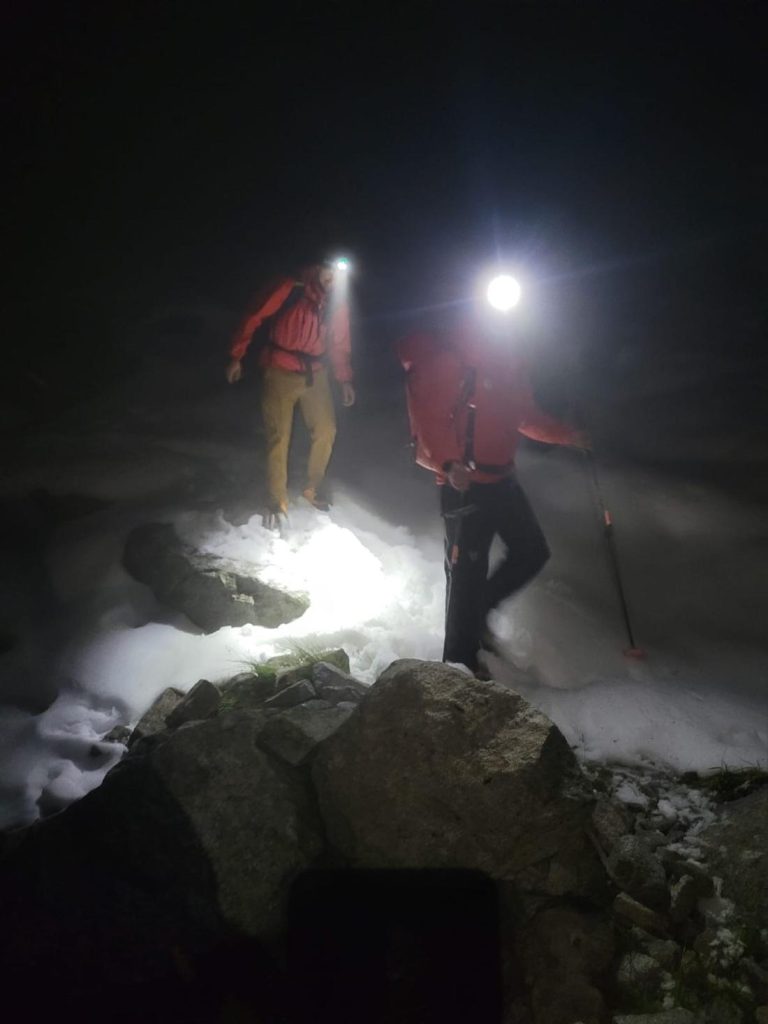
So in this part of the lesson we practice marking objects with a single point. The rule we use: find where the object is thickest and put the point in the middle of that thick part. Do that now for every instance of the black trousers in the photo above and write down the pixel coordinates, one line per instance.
(472, 519)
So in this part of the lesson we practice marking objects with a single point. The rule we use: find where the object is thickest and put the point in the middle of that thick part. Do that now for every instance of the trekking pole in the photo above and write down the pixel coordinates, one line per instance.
(459, 515)
(633, 651)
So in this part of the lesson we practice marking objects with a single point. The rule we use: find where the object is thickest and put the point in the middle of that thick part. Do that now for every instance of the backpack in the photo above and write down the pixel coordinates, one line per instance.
(260, 338)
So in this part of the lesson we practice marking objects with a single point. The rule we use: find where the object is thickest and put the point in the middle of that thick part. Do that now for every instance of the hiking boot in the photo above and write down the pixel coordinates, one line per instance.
(310, 495)
(275, 517)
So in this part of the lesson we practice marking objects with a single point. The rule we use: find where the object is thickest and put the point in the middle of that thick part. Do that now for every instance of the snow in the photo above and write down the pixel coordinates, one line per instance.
(666, 810)
(628, 793)
(103, 649)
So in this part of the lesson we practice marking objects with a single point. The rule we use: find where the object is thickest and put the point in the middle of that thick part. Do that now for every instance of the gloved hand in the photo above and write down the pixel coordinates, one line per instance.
(459, 476)
(234, 371)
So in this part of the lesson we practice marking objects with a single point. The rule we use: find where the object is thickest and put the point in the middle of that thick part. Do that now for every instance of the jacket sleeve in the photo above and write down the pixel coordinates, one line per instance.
(537, 424)
(339, 347)
(266, 305)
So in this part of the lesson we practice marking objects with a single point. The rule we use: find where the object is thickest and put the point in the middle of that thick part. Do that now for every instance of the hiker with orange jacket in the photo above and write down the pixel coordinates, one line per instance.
(469, 399)
(306, 327)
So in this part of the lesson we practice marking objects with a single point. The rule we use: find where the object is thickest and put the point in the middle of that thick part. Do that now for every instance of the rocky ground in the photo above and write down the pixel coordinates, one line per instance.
(617, 895)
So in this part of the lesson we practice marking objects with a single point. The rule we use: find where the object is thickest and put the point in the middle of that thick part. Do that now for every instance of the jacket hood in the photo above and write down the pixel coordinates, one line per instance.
(310, 274)
(310, 278)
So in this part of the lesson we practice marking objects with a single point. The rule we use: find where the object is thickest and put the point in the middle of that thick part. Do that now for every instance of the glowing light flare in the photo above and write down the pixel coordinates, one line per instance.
(380, 599)
(342, 264)
(503, 293)
(345, 582)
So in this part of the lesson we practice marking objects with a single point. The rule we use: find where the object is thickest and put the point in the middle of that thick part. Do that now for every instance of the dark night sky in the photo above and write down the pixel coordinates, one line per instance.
(161, 155)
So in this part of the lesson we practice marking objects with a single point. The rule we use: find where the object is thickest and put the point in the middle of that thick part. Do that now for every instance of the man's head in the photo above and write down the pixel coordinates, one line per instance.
(325, 276)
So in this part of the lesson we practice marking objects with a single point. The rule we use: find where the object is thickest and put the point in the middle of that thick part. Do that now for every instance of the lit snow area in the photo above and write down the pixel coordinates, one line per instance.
(691, 561)
(374, 591)
(693, 569)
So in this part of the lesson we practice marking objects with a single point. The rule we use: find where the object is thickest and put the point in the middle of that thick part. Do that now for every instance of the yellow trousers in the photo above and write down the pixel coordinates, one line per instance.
(281, 390)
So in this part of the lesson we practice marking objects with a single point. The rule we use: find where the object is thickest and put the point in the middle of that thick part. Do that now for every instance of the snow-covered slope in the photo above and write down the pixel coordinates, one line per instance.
(93, 645)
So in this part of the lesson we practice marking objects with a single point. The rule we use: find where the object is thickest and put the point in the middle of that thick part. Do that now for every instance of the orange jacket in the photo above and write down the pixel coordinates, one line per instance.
(447, 378)
(312, 326)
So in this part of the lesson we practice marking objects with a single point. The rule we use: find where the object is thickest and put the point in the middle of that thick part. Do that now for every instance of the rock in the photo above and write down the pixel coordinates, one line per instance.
(208, 590)
(255, 823)
(517, 1011)
(687, 932)
(252, 823)
(610, 821)
(638, 977)
(246, 691)
(295, 734)
(689, 962)
(288, 676)
(684, 896)
(576, 869)
(336, 657)
(652, 838)
(439, 770)
(756, 973)
(702, 945)
(737, 852)
(308, 669)
(639, 872)
(335, 685)
(677, 867)
(645, 918)
(184, 848)
(577, 943)
(570, 1000)
(249, 690)
(632, 793)
(723, 1011)
(119, 734)
(716, 912)
(201, 702)
(341, 694)
(662, 823)
(665, 952)
(676, 1016)
(292, 695)
(561, 878)
(153, 720)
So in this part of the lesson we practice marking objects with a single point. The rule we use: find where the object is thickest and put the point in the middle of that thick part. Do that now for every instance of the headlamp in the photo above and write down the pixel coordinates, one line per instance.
(503, 293)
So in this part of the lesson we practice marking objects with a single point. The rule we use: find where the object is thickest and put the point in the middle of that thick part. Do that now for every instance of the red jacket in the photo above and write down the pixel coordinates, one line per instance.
(438, 386)
(307, 327)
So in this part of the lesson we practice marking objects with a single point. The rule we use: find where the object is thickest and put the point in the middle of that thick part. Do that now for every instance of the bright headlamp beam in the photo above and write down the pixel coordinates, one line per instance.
(342, 263)
(503, 293)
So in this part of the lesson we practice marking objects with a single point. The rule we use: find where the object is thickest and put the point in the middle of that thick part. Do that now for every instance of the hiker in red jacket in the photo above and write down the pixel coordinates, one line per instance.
(469, 398)
(305, 325)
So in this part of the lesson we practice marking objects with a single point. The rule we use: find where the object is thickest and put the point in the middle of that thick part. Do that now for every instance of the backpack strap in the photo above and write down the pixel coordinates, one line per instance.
(308, 362)
(465, 399)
